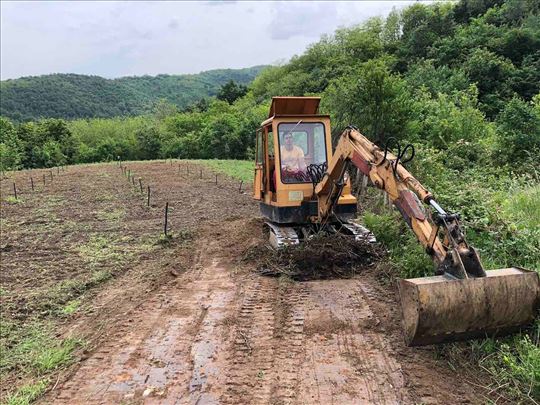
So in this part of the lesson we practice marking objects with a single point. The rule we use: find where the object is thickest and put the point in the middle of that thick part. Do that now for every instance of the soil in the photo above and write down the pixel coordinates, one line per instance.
(188, 320)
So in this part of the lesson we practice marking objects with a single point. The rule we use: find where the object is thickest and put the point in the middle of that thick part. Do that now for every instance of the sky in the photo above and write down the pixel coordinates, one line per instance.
(124, 38)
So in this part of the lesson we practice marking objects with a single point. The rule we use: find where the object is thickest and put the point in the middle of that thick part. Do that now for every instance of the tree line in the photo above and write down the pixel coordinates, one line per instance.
(72, 96)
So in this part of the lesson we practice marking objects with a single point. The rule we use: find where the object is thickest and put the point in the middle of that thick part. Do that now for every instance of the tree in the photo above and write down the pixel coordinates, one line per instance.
(231, 91)
(10, 146)
(518, 131)
(491, 73)
(371, 98)
(149, 142)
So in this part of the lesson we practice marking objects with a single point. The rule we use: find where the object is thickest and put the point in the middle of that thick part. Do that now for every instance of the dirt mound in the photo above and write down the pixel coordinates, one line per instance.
(321, 257)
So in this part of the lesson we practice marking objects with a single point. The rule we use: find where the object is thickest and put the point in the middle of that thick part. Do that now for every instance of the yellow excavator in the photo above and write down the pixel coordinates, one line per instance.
(303, 188)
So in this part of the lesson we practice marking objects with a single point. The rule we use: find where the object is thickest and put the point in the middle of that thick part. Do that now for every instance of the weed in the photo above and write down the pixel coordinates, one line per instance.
(113, 215)
(32, 349)
(164, 240)
(100, 249)
(181, 237)
(71, 307)
(55, 356)
(62, 299)
(406, 254)
(99, 277)
(27, 393)
(12, 200)
(104, 198)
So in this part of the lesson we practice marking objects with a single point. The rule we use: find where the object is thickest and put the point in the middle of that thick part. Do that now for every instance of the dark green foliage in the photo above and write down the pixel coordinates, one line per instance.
(11, 147)
(518, 137)
(422, 26)
(231, 91)
(45, 143)
(372, 98)
(148, 142)
(71, 96)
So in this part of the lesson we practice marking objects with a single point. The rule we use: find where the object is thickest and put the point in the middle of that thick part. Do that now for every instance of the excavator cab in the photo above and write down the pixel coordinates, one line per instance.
(303, 188)
(294, 146)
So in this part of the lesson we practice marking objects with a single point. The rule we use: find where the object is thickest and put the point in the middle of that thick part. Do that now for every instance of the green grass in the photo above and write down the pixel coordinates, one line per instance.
(238, 169)
(27, 393)
(32, 350)
(100, 249)
(12, 200)
(71, 307)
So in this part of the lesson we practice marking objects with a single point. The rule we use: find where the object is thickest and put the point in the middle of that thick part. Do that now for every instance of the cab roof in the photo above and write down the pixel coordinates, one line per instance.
(294, 106)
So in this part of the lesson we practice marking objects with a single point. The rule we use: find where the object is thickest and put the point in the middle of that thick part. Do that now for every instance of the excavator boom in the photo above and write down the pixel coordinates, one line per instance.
(462, 300)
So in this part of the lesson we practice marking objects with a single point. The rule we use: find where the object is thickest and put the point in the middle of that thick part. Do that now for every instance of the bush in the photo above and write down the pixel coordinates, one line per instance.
(518, 133)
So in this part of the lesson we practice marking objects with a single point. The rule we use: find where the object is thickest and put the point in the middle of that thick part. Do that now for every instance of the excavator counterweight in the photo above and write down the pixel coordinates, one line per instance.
(303, 188)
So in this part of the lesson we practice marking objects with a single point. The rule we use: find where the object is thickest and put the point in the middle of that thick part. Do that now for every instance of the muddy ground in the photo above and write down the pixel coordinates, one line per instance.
(187, 320)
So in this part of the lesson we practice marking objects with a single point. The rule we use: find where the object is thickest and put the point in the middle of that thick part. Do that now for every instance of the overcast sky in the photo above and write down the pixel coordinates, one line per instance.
(114, 39)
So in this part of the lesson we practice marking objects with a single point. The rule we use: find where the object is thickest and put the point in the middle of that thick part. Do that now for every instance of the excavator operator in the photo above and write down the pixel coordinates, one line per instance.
(293, 165)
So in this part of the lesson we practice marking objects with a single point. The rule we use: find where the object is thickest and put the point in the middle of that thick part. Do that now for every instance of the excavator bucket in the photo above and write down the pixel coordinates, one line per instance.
(442, 309)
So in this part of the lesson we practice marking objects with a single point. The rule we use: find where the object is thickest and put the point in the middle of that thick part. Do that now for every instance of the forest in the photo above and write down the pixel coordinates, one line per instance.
(459, 81)
(71, 96)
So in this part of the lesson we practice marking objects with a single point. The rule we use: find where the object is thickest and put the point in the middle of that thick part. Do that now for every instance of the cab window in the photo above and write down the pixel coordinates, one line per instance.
(302, 146)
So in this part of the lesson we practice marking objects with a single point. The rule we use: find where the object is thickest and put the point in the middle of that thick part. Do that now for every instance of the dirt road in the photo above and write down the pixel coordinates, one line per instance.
(218, 333)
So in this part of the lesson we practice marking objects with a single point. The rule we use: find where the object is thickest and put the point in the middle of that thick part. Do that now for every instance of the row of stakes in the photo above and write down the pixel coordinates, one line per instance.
(32, 186)
(130, 177)
(201, 175)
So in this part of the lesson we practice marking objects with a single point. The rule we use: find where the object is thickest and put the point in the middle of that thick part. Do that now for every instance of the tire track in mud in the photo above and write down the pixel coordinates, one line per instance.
(268, 347)
(347, 359)
(166, 351)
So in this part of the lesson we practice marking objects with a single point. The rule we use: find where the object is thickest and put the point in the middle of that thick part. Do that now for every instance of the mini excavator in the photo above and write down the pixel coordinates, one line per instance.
(303, 188)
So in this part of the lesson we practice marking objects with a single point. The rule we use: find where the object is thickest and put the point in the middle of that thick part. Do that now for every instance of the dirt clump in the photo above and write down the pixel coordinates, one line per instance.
(320, 257)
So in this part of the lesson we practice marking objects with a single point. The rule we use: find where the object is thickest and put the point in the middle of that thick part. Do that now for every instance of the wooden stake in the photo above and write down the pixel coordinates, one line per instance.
(140, 184)
(50, 171)
(32, 183)
(43, 178)
(166, 217)
(216, 179)
(240, 188)
(200, 175)
(148, 201)
(15, 190)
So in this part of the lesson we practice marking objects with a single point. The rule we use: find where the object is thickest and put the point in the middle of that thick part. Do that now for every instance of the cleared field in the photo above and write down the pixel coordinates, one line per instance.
(98, 306)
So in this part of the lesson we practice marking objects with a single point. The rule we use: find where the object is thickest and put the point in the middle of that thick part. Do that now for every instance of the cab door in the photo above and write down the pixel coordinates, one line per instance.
(259, 159)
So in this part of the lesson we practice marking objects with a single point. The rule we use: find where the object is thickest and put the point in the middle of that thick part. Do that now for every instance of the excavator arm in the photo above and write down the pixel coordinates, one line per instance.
(451, 253)
(462, 300)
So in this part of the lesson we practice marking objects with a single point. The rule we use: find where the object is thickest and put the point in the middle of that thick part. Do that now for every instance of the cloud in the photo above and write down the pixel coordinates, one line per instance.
(220, 2)
(292, 19)
(138, 37)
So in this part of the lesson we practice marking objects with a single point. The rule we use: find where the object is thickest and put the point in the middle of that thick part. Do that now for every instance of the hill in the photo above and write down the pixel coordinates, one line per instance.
(72, 96)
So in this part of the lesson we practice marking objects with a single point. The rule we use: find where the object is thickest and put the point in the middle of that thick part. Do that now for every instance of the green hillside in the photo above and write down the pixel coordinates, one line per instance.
(80, 96)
